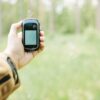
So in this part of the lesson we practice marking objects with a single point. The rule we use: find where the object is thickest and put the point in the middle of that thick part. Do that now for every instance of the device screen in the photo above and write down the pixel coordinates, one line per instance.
(30, 37)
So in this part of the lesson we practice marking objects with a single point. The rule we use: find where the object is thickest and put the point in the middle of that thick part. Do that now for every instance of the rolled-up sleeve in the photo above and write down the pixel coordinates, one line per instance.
(9, 80)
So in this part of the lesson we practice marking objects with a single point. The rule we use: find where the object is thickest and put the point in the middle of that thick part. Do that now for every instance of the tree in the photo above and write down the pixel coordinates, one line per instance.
(33, 8)
(53, 15)
(41, 12)
(77, 17)
(87, 15)
(20, 4)
(0, 19)
(98, 16)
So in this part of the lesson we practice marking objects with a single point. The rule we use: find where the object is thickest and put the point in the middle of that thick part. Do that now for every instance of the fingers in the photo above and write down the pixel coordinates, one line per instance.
(20, 35)
(41, 33)
(14, 28)
(41, 44)
(42, 40)
(40, 49)
(42, 36)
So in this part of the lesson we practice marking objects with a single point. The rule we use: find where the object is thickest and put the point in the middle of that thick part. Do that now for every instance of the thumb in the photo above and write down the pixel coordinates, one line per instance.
(20, 35)
(14, 28)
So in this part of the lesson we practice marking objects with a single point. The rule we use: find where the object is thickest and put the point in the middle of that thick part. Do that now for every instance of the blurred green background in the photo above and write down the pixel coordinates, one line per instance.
(69, 67)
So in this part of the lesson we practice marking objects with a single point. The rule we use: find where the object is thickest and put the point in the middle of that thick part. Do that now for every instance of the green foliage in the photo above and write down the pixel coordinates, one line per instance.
(7, 17)
(12, 14)
(65, 21)
(88, 14)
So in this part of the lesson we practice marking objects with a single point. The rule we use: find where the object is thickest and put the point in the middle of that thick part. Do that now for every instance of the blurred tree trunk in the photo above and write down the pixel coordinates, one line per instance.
(33, 8)
(53, 16)
(0, 20)
(41, 12)
(77, 17)
(98, 16)
(36, 10)
(21, 9)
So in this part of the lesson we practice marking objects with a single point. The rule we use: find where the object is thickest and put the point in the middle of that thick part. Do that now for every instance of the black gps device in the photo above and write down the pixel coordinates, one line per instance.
(31, 34)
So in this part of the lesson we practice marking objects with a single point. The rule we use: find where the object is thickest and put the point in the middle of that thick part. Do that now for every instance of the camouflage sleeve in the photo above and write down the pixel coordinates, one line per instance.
(9, 80)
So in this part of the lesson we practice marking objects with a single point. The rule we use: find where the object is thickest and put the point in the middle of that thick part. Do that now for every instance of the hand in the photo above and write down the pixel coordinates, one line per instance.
(15, 47)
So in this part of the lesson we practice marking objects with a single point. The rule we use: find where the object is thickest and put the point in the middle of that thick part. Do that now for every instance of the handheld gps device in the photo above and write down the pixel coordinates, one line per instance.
(31, 34)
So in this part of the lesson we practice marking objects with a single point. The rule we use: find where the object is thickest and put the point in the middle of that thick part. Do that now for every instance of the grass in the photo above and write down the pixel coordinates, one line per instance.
(68, 69)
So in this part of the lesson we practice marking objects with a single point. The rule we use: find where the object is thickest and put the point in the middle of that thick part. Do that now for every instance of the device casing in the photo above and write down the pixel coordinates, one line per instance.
(28, 25)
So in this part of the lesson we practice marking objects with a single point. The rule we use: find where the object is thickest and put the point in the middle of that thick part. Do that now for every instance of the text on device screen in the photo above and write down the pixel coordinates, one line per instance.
(30, 37)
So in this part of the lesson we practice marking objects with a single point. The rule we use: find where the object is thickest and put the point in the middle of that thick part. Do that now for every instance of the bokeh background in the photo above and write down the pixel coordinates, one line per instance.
(69, 67)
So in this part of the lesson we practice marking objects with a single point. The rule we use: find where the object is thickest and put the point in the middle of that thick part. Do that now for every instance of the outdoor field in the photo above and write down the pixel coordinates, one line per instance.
(69, 66)
(68, 69)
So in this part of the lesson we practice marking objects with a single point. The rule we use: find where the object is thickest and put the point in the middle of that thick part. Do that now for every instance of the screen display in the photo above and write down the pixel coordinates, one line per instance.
(30, 37)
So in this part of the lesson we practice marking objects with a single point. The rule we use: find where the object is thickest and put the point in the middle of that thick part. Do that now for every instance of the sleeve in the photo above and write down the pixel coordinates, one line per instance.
(9, 80)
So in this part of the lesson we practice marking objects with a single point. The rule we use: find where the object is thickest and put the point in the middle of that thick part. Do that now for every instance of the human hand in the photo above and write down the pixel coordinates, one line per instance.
(15, 47)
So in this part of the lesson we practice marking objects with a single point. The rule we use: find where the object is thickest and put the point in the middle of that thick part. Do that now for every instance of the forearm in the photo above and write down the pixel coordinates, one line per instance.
(9, 80)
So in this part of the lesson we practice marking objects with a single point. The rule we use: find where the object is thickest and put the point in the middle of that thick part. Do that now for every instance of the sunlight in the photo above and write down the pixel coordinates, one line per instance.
(10, 1)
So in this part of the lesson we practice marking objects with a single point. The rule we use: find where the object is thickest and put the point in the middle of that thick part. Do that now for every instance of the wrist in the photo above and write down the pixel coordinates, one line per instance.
(12, 56)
